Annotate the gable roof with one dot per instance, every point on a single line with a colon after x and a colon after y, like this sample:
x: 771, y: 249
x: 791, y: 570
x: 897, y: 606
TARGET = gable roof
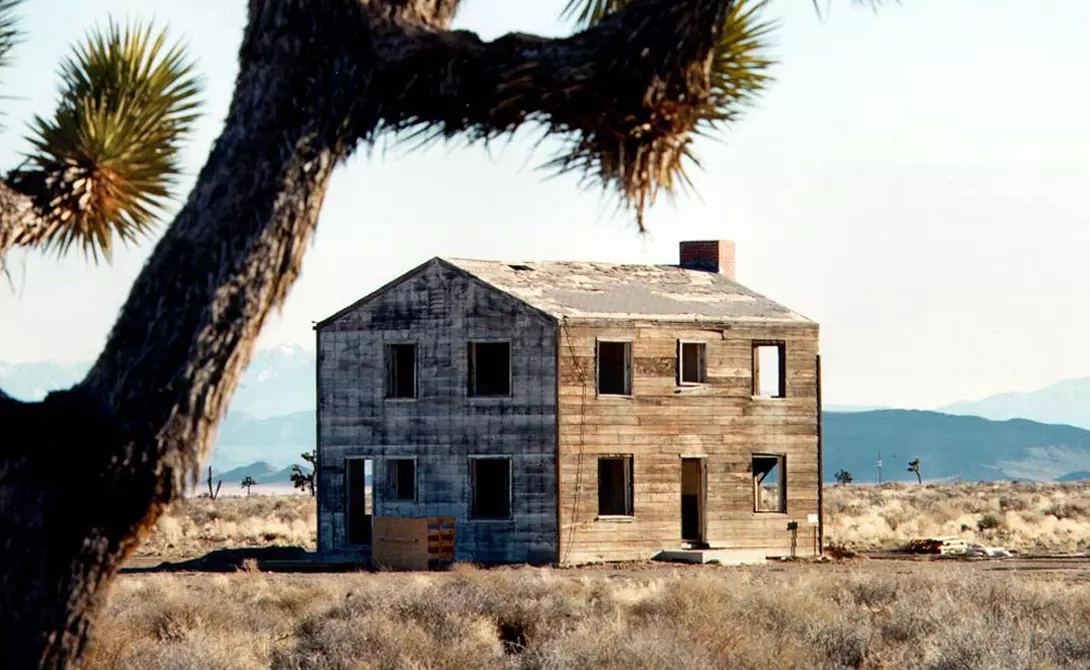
x: 611, y: 291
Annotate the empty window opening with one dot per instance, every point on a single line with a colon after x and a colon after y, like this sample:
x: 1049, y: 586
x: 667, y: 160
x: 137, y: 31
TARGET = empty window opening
x: 401, y: 479
x: 769, y: 370
x: 769, y: 484
x: 401, y: 371
x: 691, y: 363
x: 358, y: 474
x: 490, y: 482
x: 615, y: 368
x: 490, y: 369
x: 615, y: 486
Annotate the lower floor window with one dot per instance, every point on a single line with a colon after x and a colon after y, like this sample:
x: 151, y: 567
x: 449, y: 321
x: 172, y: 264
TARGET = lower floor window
x: 615, y: 486
x: 490, y: 487
x: 401, y: 479
x: 769, y: 483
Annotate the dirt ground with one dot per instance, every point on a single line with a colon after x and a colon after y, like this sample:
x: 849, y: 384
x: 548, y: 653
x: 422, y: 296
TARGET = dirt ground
x: 1075, y: 568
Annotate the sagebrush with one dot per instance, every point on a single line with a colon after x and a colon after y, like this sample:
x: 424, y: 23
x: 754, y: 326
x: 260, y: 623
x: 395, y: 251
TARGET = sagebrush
x: 867, y: 615
x: 1028, y: 516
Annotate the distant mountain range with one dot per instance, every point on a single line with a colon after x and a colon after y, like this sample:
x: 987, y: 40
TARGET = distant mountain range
x: 952, y: 447
x: 854, y: 408
x: 259, y: 425
x: 262, y: 472
x: 279, y: 380
x: 271, y: 422
x: 1066, y: 402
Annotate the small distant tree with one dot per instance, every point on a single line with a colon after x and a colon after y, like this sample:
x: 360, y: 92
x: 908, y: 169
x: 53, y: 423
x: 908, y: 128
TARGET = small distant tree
x: 247, y: 482
x: 843, y: 477
x: 213, y: 492
x: 914, y: 466
x: 304, y: 480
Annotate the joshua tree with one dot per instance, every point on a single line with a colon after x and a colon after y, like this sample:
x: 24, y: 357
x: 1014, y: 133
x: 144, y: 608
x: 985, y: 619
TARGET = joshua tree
x: 843, y: 477
x: 247, y: 482
x: 914, y: 466
x: 316, y: 81
x: 304, y: 480
x: 213, y: 492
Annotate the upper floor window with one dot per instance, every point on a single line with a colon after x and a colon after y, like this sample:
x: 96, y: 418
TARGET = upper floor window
x: 769, y: 370
x: 614, y: 366
x: 400, y: 370
x: 692, y: 366
x: 489, y: 369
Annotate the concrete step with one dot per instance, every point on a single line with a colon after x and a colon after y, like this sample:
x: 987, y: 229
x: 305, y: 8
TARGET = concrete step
x: 720, y: 555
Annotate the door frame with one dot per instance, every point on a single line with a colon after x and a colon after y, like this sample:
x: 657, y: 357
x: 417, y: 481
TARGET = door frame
x: 701, y: 498
x: 348, y: 487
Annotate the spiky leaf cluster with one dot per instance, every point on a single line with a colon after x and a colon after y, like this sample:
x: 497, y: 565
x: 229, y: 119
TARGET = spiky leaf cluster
x: 9, y: 33
x: 735, y: 76
x: 105, y: 163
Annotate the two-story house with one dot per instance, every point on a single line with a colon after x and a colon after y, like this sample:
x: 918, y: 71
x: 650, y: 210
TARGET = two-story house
x: 566, y: 412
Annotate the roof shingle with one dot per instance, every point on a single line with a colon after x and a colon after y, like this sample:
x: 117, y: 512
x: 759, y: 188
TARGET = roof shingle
x: 609, y: 291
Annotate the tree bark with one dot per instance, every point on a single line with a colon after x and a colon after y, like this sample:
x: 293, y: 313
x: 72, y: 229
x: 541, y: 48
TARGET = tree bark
x: 86, y: 473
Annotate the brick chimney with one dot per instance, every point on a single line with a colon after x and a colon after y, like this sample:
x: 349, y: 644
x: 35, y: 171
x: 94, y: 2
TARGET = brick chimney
x: 710, y: 256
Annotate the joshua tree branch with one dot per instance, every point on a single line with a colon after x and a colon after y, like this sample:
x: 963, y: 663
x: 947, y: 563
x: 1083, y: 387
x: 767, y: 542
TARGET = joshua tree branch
x: 21, y: 221
x: 628, y: 91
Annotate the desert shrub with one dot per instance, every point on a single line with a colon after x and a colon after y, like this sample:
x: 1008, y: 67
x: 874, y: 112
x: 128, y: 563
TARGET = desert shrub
x: 194, y: 526
x: 1040, y: 516
x: 799, y: 616
x: 1013, y: 503
x: 1067, y: 509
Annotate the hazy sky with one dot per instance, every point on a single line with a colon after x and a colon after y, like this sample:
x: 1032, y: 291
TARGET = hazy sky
x: 916, y: 180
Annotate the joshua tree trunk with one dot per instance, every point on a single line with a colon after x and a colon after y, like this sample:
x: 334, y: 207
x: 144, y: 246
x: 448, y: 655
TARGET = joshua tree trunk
x: 315, y: 79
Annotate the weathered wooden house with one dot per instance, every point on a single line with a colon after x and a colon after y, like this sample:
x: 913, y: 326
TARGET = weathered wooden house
x: 572, y: 411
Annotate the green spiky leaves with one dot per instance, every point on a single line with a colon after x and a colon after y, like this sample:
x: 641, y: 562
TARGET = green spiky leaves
x: 736, y: 74
x: 9, y: 32
x: 106, y: 162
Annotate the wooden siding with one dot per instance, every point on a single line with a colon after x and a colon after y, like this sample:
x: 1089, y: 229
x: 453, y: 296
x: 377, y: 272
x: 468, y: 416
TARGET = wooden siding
x: 441, y: 309
x: 662, y: 422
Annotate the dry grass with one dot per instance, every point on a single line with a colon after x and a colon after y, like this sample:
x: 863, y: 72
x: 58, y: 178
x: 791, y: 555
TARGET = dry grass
x: 860, y: 614
x: 1031, y: 516
x: 1042, y: 517
x: 797, y: 616
x: 195, y: 526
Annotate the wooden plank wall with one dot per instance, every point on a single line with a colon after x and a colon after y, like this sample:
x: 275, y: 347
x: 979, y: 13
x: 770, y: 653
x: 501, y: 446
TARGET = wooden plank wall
x: 663, y: 422
x: 441, y: 309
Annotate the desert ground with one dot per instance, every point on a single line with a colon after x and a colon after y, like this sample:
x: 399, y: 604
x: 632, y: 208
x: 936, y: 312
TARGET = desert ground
x: 1030, y: 517
x: 855, y: 612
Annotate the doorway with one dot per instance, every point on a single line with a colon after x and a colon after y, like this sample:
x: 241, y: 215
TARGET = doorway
x: 694, y: 494
x: 359, y: 507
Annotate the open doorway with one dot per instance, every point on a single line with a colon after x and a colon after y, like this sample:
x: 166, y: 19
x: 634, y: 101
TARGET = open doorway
x: 694, y: 494
x: 359, y: 489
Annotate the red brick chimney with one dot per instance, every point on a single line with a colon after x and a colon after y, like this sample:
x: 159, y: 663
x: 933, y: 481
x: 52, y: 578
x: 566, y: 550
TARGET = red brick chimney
x: 710, y: 256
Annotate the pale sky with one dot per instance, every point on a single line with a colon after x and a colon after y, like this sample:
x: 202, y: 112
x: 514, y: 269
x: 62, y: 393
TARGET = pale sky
x: 916, y: 180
